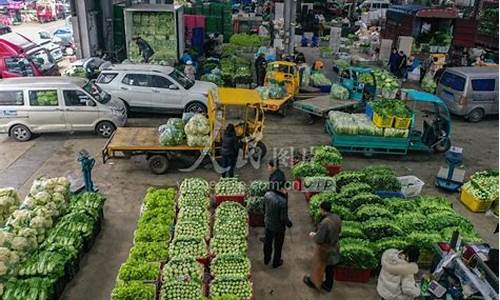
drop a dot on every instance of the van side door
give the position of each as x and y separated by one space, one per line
80 110
484 94
46 110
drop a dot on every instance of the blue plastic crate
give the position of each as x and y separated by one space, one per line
325 88
369 111
383 194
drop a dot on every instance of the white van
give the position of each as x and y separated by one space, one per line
377 7
57 104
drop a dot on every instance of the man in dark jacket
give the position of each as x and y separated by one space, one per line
229 151
327 252
277 178
393 61
144 49
275 221
260 69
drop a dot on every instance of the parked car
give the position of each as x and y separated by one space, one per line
154 88
21 57
57 104
378 7
471 92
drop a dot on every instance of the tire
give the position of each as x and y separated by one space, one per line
476 115
158 164
105 129
442 146
127 107
21 133
259 152
196 107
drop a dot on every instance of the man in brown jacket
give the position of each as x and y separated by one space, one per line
327 252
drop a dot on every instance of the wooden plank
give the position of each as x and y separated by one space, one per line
141 139
322 104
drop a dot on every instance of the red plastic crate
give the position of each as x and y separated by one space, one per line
333 169
255 220
308 195
235 198
352 274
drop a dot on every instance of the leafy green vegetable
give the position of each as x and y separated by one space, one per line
255 205
149 252
399 205
351 229
229 187
319 184
326 155
307 169
258 188
353 189
178 289
188 246
357 253
238 286
388 243
346 177
410 221
372 211
230 264
181 268
377 229
423 240
134 270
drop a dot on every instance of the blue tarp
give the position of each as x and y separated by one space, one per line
423 97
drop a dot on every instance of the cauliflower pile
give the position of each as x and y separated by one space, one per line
27 225
9 201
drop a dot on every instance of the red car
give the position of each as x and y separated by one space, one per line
21 57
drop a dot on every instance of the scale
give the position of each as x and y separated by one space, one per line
451 178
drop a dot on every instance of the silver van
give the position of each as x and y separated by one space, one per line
471 92
33 105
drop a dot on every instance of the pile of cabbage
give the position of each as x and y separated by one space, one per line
26 228
428 84
158 30
172 133
319 79
387 84
339 92
274 90
9 202
360 124
197 131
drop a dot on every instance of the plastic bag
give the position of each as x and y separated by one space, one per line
171 135
263 92
339 92
198 140
197 125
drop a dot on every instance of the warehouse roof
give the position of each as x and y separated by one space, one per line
423 11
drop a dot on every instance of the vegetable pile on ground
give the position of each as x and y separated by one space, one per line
326 155
41 243
235 69
255 202
307 169
483 185
9 202
247 40
428 84
372 225
391 108
230 186
197 131
182 276
151 239
274 90
230 266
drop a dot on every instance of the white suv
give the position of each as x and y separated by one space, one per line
154 88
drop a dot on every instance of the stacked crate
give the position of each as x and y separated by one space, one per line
218 17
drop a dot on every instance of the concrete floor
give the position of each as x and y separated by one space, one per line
124 184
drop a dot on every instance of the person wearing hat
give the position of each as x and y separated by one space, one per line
144 48
189 70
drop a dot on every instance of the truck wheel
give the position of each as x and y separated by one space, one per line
105 129
196 107
475 115
158 164
443 146
20 133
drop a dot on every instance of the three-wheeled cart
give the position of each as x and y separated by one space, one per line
433 137
241 107
321 105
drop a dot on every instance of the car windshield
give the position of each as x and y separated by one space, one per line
43 60
452 81
99 94
181 79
